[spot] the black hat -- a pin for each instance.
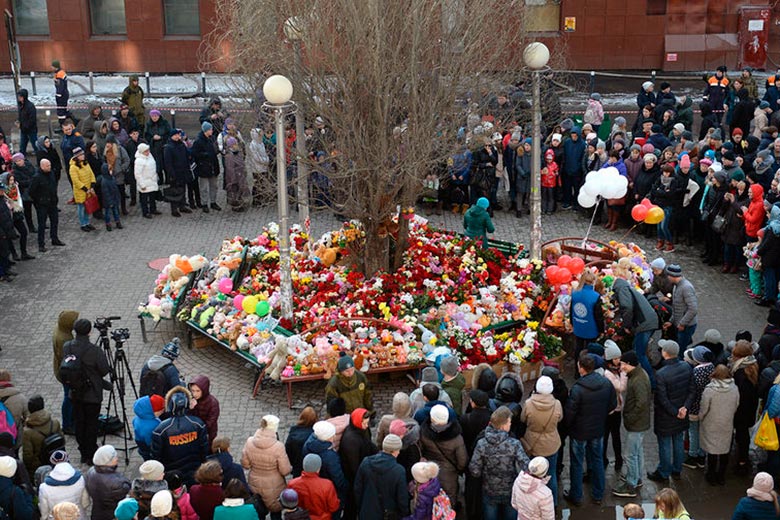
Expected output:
(665, 85)
(479, 397)
(35, 403)
(673, 270)
(82, 327)
(657, 129)
(687, 135)
(722, 68)
(730, 156)
(630, 358)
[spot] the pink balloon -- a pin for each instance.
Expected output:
(646, 203)
(237, 301)
(225, 285)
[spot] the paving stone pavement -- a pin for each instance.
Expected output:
(103, 274)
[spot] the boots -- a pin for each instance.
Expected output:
(659, 245)
(669, 247)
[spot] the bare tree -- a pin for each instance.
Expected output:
(386, 76)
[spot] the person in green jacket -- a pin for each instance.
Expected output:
(477, 221)
(133, 97)
(453, 382)
(351, 385)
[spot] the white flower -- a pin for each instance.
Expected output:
(523, 263)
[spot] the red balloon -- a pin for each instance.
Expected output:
(563, 261)
(564, 275)
(646, 203)
(639, 212)
(576, 265)
(552, 273)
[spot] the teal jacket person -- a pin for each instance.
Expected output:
(477, 222)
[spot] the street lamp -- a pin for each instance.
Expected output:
(293, 30)
(278, 91)
(536, 55)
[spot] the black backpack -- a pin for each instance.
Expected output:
(153, 381)
(51, 443)
(72, 373)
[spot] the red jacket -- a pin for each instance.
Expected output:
(755, 214)
(550, 178)
(315, 494)
(205, 498)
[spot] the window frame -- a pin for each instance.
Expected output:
(168, 34)
(14, 10)
(92, 26)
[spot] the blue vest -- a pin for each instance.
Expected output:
(582, 317)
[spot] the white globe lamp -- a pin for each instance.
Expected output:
(277, 90)
(536, 55)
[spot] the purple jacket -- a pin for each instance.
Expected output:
(425, 494)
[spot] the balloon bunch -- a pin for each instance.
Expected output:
(606, 183)
(252, 305)
(565, 270)
(647, 212)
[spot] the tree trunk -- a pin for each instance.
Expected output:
(402, 242)
(375, 255)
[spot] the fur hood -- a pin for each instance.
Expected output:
(481, 369)
(173, 403)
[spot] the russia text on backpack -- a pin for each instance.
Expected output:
(153, 381)
(7, 421)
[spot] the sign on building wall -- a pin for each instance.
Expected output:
(570, 24)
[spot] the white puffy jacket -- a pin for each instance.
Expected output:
(63, 484)
(145, 173)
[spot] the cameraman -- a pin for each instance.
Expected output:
(88, 398)
(159, 374)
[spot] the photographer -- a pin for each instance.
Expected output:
(159, 374)
(88, 366)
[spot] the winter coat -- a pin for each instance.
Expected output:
(22, 506)
(293, 446)
(532, 498)
(100, 137)
(355, 391)
(49, 153)
(685, 113)
(161, 128)
(109, 188)
(594, 114)
(745, 415)
(634, 310)
(63, 484)
(675, 388)
(63, 333)
(749, 508)
(645, 180)
(83, 179)
(204, 498)
(121, 163)
(483, 173)
(316, 494)
(477, 223)
(401, 410)
(107, 487)
(755, 214)
(120, 135)
(422, 499)
(410, 453)
(760, 121)
(181, 441)
(168, 369)
(144, 424)
(240, 511)
(176, 161)
(645, 98)
(133, 97)
(573, 152)
(69, 143)
(235, 178)
(447, 449)
(701, 378)
(419, 402)
(381, 472)
(636, 407)
(143, 491)
(541, 414)
(95, 366)
(331, 464)
(743, 112)
(230, 468)
(129, 124)
(497, 459)
(591, 399)
(340, 422)
(268, 465)
(39, 426)
(472, 425)
(670, 196)
(356, 445)
(708, 118)
(454, 390)
(207, 407)
(24, 176)
(28, 115)
(205, 156)
(767, 379)
(145, 171)
(716, 416)
(86, 126)
(734, 232)
(256, 155)
(769, 248)
(587, 315)
(7, 230)
(685, 304)
(43, 189)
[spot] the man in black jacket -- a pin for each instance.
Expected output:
(591, 399)
(205, 155)
(380, 484)
(28, 122)
(177, 169)
(674, 393)
(87, 400)
(7, 233)
(474, 424)
(43, 192)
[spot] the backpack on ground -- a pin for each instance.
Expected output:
(153, 381)
(51, 443)
(7, 421)
(442, 507)
(72, 373)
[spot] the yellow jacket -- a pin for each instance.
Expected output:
(82, 177)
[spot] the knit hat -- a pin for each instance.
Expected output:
(544, 385)
(312, 463)
(104, 455)
(658, 263)
(231, 142)
(162, 503)
(483, 203)
(151, 470)
(701, 354)
(657, 129)
(595, 348)
(567, 124)
(357, 416)
(687, 135)
(55, 64)
(449, 366)
(669, 346)
(142, 148)
(650, 157)
(620, 120)
(496, 137)
(126, 509)
(392, 443)
(647, 148)
(66, 511)
(706, 162)
(155, 112)
(516, 136)
(288, 498)
(111, 138)
(271, 422)
(716, 135)
(538, 467)
(763, 105)
(762, 487)
(679, 127)
(611, 350)
(737, 175)
(158, 402)
(35, 403)
(557, 137)
(673, 270)
(440, 415)
(7, 467)
(59, 456)
(429, 375)
(528, 140)
(398, 427)
(344, 363)
(713, 336)
(685, 161)
(635, 147)
(646, 85)
(206, 126)
(729, 156)
(720, 175)
(18, 156)
(630, 358)
(480, 397)
(736, 131)
(324, 430)
(423, 472)
(171, 349)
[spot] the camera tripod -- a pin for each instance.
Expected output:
(119, 369)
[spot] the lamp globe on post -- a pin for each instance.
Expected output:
(277, 89)
(536, 55)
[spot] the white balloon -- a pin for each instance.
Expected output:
(611, 171)
(592, 187)
(585, 200)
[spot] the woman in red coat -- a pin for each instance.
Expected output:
(755, 214)
(207, 494)
(204, 405)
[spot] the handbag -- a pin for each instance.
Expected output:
(174, 193)
(719, 224)
(91, 203)
(766, 435)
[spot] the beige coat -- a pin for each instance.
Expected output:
(265, 458)
(541, 414)
(719, 403)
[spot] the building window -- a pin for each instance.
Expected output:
(181, 17)
(31, 17)
(108, 17)
(656, 7)
(542, 15)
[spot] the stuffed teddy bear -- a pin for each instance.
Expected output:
(277, 360)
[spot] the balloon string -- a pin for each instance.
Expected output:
(627, 233)
(592, 218)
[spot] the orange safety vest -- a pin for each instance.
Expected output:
(722, 82)
(771, 81)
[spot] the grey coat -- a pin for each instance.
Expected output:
(685, 305)
(634, 310)
(718, 405)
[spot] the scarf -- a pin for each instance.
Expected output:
(742, 362)
(233, 502)
(666, 181)
(759, 495)
(721, 384)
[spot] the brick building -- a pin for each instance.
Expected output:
(165, 35)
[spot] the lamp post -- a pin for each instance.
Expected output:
(536, 55)
(278, 91)
(293, 32)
